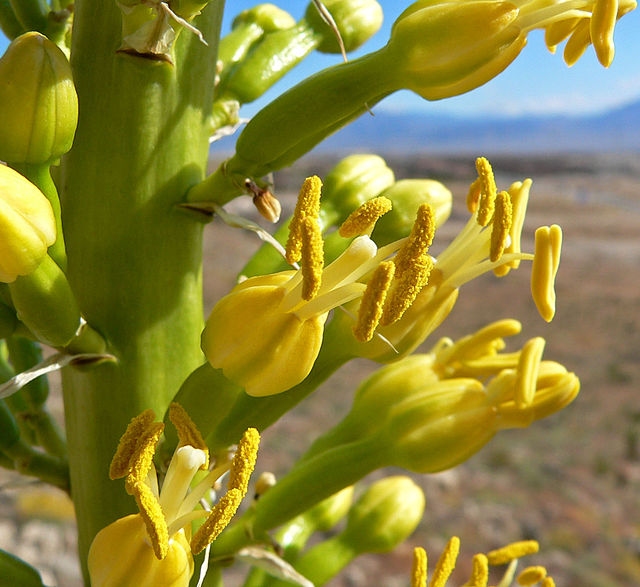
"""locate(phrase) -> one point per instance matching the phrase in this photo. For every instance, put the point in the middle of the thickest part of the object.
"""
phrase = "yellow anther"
(188, 434)
(501, 225)
(546, 260)
(603, 22)
(217, 521)
(405, 290)
(527, 372)
(532, 575)
(363, 220)
(519, 192)
(370, 310)
(578, 42)
(153, 517)
(128, 444)
(446, 563)
(142, 459)
(419, 568)
(312, 254)
(548, 582)
(558, 31)
(415, 248)
(512, 551)
(244, 461)
(308, 206)
(479, 572)
(487, 191)
(473, 196)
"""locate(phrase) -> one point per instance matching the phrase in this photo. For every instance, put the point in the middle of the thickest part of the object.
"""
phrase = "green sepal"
(14, 571)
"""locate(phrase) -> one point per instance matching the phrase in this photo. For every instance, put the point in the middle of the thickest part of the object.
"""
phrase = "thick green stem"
(134, 261)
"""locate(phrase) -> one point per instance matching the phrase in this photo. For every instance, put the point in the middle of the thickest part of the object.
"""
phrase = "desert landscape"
(572, 482)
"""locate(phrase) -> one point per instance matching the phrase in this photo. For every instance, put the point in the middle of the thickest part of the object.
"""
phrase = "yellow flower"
(266, 334)
(27, 225)
(154, 547)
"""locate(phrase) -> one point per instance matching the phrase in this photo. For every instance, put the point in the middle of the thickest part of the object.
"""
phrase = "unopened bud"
(267, 204)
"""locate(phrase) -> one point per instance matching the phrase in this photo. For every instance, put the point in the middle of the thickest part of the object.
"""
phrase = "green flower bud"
(38, 101)
(27, 225)
(407, 195)
(442, 49)
(268, 17)
(357, 22)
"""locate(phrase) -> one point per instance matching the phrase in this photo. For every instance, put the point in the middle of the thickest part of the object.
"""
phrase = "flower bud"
(442, 49)
(267, 16)
(357, 22)
(38, 101)
(407, 196)
(120, 554)
(27, 224)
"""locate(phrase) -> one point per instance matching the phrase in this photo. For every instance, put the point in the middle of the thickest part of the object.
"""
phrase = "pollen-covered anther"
(479, 572)
(488, 191)
(446, 563)
(548, 243)
(405, 290)
(188, 434)
(548, 582)
(308, 206)
(363, 220)
(142, 459)
(217, 521)
(531, 575)
(512, 551)
(373, 299)
(312, 258)
(154, 519)
(120, 464)
(527, 372)
(501, 225)
(473, 195)
(419, 568)
(519, 193)
(244, 461)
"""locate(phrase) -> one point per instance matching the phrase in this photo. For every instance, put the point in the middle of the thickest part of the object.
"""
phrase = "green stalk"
(134, 262)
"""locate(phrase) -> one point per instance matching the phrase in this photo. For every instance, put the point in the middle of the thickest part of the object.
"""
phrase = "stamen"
(312, 254)
(488, 191)
(128, 444)
(188, 433)
(363, 220)
(244, 461)
(217, 521)
(479, 572)
(154, 519)
(308, 206)
(548, 582)
(419, 568)
(501, 225)
(603, 22)
(406, 290)
(519, 192)
(578, 42)
(548, 243)
(446, 563)
(372, 302)
(473, 196)
(527, 372)
(532, 575)
(512, 551)
(419, 241)
(142, 459)
(558, 31)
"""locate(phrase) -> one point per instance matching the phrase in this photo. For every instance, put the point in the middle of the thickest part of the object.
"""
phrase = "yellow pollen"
(532, 575)
(527, 372)
(419, 568)
(370, 310)
(419, 241)
(546, 259)
(501, 225)
(244, 461)
(479, 572)
(548, 582)
(128, 444)
(512, 551)
(312, 254)
(405, 290)
(142, 459)
(519, 192)
(308, 206)
(154, 519)
(188, 434)
(487, 191)
(363, 220)
(473, 196)
(446, 563)
(217, 521)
